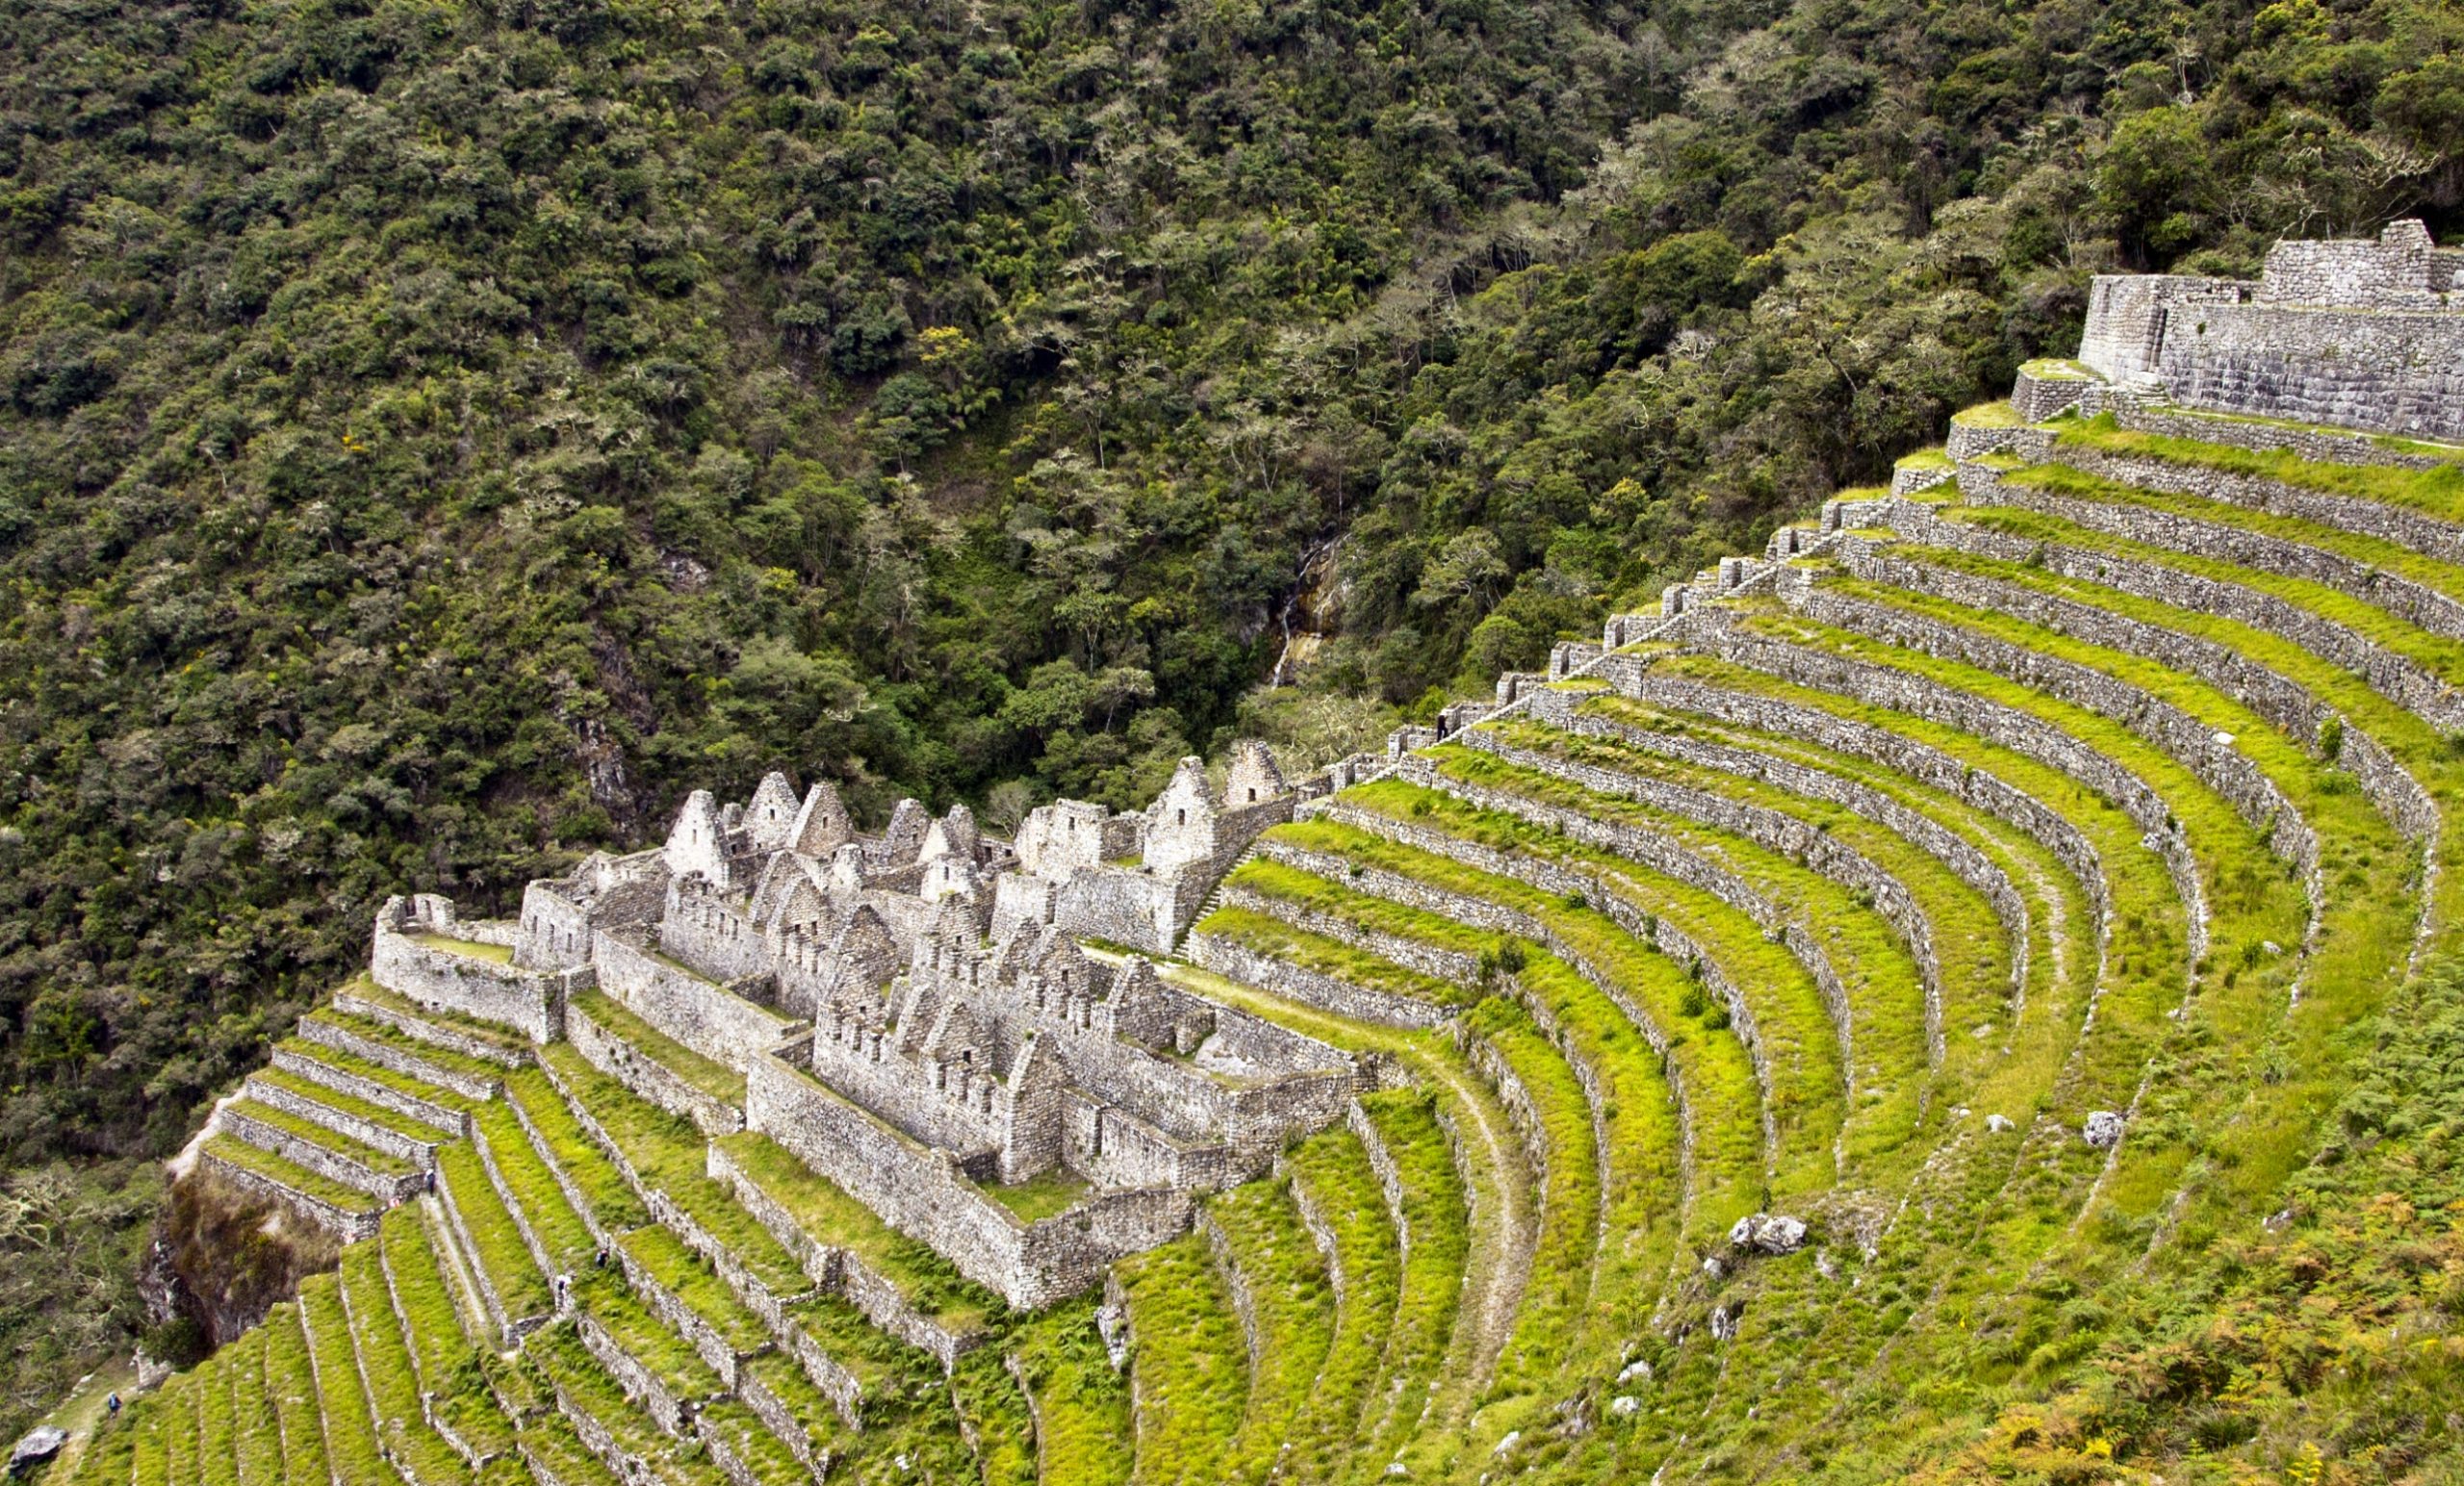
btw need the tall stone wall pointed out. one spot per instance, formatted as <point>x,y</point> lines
<point>919,1192</point>
<point>533,1001</point>
<point>702,1015</point>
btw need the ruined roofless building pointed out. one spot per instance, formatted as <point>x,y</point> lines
<point>912,1013</point>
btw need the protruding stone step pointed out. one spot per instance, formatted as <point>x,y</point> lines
<point>337,1157</point>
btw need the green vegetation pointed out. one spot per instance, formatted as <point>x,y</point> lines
<point>1291,1304</point>
<point>830,1216</point>
<point>689,1277</point>
<point>1190,1361</point>
<point>308,1131</point>
<point>385,1361</point>
<point>350,1105</point>
<point>2437,491</point>
<point>711,1077</point>
<point>288,1173</point>
<point>611,1200</point>
<point>560,1231</point>
<point>499,1252</point>
<point>1082,1425</point>
<point>1275,940</point>
<point>1039,1198</point>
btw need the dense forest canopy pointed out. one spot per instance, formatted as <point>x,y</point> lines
<point>434,435</point>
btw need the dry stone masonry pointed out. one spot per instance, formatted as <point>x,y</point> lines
<point>1729,972</point>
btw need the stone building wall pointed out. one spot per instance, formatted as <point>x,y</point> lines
<point>702,1015</point>
<point>919,1192</point>
<point>533,1001</point>
<point>703,930</point>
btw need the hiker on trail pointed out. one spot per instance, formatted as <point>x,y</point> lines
<point>112,1404</point>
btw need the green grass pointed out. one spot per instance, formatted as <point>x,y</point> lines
<point>692,1280</point>
<point>1719,1080</point>
<point>311,1133</point>
<point>1293,1305</point>
<point>2438,492</point>
<point>469,949</point>
<point>404,1125</point>
<point>1969,938</point>
<point>611,1200</point>
<point>1275,940</point>
<point>559,1229</point>
<point>178,1403</point>
<point>288,1173</point>
<point>349,1433</point>
<point>1191,1364</point>
<point>256,1426</point>
<point>375,1073</point>
<point>218,1425</point>
<point>1436,1213</point>
<point>645,1338</point>
<point>569,1366</point>
<point>930,1282</point>
<point>705,1074</point>
<point>1332,1169</point>
<point>1313,896</point>
<point>502,1255</point>
<point>493,1033</point>
<point>552,1437</point>
<point>410,1047</point>
<point>1559,1287</point>
<point>149,1448</point>
<point>446,1358</point>
<point>671,1155</point>
<point>997,1417</point>
<point>1997,414</point>
<point>762,1454</point>
<point>1883,989</point>
<point>1083,1425</point>
<point>1049,1194</point>
<point>393,1380</point>
<point>825,1432</point>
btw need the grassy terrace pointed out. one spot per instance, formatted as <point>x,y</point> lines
<point>2437,491</point>
<point>291,1387</point>
<point>2370,551</point>
<point>671,1156</point>
<point>561,1452</point>
<point>501,1256</point>
<point>216,1443</point>
<point>1885,992</point>
<point>911,1420</point>
<point>691,1279</point>
<point>469,949</point>
<point>1191,1362</point>
<point>351,1105</point>
<point>1293,1306</point>
<point>1428,1294</point>
<point>1570,1226</point>
<point>385,1361</point>
<point>825,1434</point>
<point>645,1338</point>
<point>577,1376</point>
<point>1313,896</point>
<point>1971,941</point>
<point>1049,1195</point>
<point>1275,940</point>
<point>1707,1063</point>
<point>256,1436</point>
<point>708,1075</point>
<point>288,1173</point>
<point>2424,753</point>
<point>1082,1425</point>
<point>307,1131</point>
<point>448,1364</point>
<point>349,1431</point>
<point>604,1189</point>
<point>2365,925</point>
<point>752,1443</point>
<point>352,1063</point>
<point>2044,1070</point>
<point>997,1417</point>
<point>411,1047</point>
<point>513,1043</point>
<point>1332,1170</point>
<point>559,1229</point>
<point>931,1283</point>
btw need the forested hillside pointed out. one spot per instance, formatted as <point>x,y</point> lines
<point>433,434</point>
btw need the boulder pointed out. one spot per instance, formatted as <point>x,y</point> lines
<point>1998,1123</point>
<point>1623,1404</point>
<point>1767,1233</point>
<point>2103,1130</point>
<point>41,1444</point>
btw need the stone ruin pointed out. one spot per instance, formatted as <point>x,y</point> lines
<point>917,1013</point>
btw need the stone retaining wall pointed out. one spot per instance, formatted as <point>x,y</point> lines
<point>342,1122</point>
<point>332,1165</point>
<point>1233,962</point>
<point>395,1059</point>
<point>343,1223</point>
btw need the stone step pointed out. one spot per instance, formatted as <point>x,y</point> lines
<point>332,1155</point>
<point>364,1121</point>
<point>349,1212</point>
<point>347,1074</point>
<point>465,1035</point>
<point>387,1047</point>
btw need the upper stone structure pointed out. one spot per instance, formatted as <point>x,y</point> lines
<point>2363,333</point>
